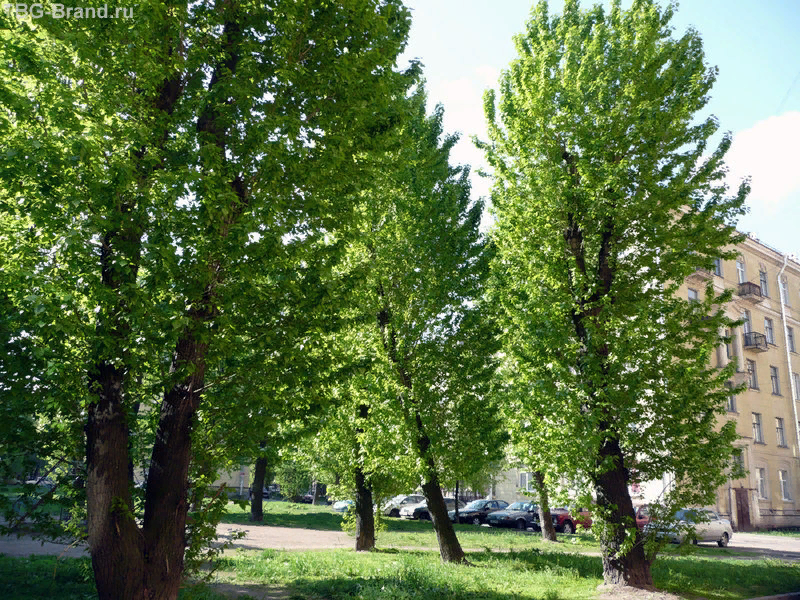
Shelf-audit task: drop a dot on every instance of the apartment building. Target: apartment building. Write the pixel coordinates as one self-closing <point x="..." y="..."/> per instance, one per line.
<point x="766" y="287"/>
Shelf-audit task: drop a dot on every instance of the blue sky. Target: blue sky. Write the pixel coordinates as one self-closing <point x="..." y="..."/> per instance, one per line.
<point x="464" y="45"/>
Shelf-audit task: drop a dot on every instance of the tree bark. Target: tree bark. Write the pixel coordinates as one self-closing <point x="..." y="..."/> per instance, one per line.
<point x="611" y="488"/>
<point x="365" y="518"/>
<point x="545" y="518"/>
<point x="116" y="548"/>
<point x="257" y="501"/>
<point x="449" y="546"/>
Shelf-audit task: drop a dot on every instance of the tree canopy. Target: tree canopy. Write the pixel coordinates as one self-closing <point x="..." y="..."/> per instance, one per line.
<point x="606" y="197"/>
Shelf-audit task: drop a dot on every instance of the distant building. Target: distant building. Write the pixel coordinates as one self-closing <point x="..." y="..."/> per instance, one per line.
<point x="766" y="357"/>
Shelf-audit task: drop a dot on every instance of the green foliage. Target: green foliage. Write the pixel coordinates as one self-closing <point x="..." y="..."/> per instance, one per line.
<point x="606" y="197"/>
<point x="294" y="479"/>
<point x="422" y="329"/>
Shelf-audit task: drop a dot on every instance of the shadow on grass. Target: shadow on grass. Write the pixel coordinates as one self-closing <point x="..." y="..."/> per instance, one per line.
<point x="717" y="579"/>
<point x="557" y="563"/>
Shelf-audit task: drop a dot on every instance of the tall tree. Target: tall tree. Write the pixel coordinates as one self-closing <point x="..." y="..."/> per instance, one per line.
<point x="606" y="197"/>
<point x="176" y="156"/>
<point x="425" y="266"/>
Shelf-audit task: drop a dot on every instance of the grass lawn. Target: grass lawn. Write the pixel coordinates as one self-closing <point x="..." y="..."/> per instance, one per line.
<point x="526" y="568"/>
<point x="785" y="533"/>
<point x="553" y="575"/>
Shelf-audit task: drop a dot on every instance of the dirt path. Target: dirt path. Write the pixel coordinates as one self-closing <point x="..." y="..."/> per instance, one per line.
<point x="258" y="537"/>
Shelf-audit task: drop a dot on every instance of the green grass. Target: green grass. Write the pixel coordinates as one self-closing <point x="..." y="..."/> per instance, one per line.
<point x="287" y="514"/>
<point x="48" y="578"/>
<point x="725" y="579"/>
<point x="784" y="532"/>
<point x="526" y="568"/>
<point x="411" y="575"/>
<point x="339" y="574"/>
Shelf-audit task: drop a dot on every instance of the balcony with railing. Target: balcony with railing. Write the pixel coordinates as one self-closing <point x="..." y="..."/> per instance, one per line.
<point x="750" y="291"/>
<point x="700" y="275"/>
<point x="757" y="342"/>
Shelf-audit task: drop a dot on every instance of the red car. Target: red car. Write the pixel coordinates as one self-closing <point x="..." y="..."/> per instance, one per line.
<point x="642" y="516"/>
<point x="565" y="522"/>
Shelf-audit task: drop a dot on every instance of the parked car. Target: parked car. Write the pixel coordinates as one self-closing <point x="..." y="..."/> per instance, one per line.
<point x="565" y="522"/>
<point x="393" y="506"/>
<point x="420" y="511"/>
<point x="476" y="511"/>
<point x="708" y="527"/>
<point x="520" y="515"/>
<point x="342" y="505"/>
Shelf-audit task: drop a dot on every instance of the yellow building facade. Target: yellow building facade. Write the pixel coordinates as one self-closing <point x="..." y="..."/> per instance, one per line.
<point x="766" y="288"/>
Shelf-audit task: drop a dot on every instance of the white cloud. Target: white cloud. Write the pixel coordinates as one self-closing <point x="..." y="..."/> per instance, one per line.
<point x="769" y="152"/>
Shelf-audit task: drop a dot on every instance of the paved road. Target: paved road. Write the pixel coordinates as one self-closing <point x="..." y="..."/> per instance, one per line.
<point x="288" y="538"/>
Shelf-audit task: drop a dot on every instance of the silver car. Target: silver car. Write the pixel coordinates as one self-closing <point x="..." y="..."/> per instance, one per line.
<point x="392" y="508"/>
<point x="708" y="527"/>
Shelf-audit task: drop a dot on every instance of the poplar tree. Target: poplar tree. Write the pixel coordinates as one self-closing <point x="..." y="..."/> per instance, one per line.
<point x="606" y="196"/>
<point x="431" y="341"/>
<point x="158" y="173"/>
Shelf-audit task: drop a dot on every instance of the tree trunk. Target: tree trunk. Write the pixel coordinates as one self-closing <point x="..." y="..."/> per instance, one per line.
<point x="365" y="518"/>
<point x="319" y="492"/>
<point x="115" y="545"/>
<point x="257" y="501"/>
<point x="449" y="546"/>
<point x="611" y="487"/>
<point x="545" y="518"/>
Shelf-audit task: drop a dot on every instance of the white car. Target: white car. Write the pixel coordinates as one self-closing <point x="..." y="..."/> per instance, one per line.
<point x="708" y="527"/>
<point x="392" y="507"/>
<point x="343" y="505"/>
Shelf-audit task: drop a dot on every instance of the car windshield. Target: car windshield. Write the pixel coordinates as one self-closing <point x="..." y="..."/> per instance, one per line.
<point x="520" y="506"/>
<point x="475" y="505"/>
<point x="688" y="515"/>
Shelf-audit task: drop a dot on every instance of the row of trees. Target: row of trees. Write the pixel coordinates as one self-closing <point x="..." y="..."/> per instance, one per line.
<point x="244" y="228"/>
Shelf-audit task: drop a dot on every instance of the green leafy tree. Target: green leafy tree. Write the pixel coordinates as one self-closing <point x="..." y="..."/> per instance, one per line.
<point x="177" y="158"/>
<point x="606" y="197"/>
<point x="432" y="349"/>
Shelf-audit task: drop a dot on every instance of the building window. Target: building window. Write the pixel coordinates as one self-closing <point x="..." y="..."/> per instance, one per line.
<point x="786" y="493"/>
<point x="762" y="275"/>
<point x="746" y="319"/>
<point x="780" y="433"/>
<point x="758" y="436"/>
<point x="526" y="481"/>
<point x="718" y="267"/>
<point x="769" y="331"/>
<point x="796" y="378"/>
<point x="731" y="398"/>
<point x="776" y="384"/>
<point x="752" y="376"/>
<point x="738" y="459"/>
<point x="785" y="291"/>
<point x="790" y="339"/>
<point x="761" y="482"/>
<point x="693" y="297"/>
<point x="728" y="350"/>
<point x="740" y="270"/>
